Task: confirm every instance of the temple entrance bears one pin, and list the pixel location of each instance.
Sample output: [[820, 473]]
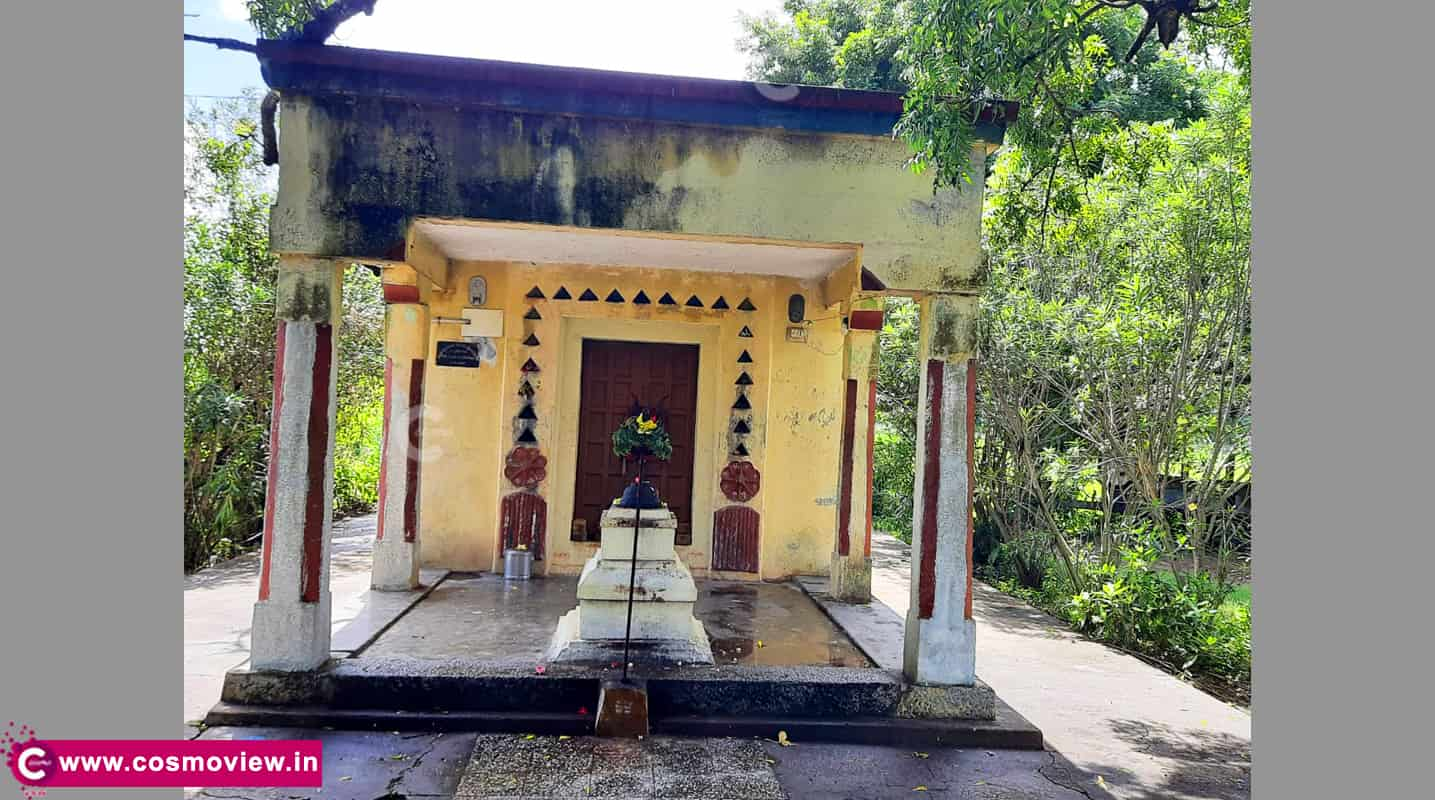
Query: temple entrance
[[614, 375]]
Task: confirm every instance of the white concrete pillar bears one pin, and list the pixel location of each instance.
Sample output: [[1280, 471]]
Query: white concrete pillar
[[291, 618], [396, 550], [941, 635], [851, 576]]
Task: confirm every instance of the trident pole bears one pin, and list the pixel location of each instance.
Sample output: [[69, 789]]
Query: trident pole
[[633, 566]]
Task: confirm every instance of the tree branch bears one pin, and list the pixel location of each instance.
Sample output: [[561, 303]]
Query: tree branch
[[221, 43], [328, 20]]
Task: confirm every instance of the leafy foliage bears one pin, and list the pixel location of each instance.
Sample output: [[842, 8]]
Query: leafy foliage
[[1113, 420], [229, 277], [1062, 60]]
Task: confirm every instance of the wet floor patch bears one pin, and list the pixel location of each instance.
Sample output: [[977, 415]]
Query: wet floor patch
[[485, 617]]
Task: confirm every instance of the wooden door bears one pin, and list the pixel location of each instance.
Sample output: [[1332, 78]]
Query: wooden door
[[616, 373]]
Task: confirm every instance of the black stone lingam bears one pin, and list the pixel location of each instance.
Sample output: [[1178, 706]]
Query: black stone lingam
[[640, 493]]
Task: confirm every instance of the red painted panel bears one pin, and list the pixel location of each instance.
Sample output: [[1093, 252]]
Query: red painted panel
[[384, 447], [735, 538], [315, 500], [844, 496], [971, 470], [523, 519], [416, 436], [272, 480], [865, 320], [871, 437], [400, 293], [931, 484]]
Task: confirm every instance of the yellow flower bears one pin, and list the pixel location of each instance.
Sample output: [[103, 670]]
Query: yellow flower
[[646, 425]]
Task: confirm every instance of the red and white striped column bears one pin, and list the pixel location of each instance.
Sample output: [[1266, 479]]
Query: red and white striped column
[[396, 551], [850, 579], [941, 635], [292, 616]]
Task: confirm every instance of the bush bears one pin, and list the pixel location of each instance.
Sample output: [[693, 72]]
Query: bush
[[1185, 621], [893, 457]]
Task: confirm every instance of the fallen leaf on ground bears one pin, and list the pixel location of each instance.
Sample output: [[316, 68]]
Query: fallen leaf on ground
[[919, 788], [782, 739], [921, 755], [1100, 781], [346, 777], [561, 738]]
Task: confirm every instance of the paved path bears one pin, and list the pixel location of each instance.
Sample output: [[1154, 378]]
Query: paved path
[[219, 607], [1145, 732]]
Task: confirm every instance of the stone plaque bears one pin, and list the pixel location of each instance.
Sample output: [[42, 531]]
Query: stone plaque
[[458, 354]]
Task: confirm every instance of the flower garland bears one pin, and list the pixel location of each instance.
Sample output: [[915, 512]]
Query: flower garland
[[642, 435]]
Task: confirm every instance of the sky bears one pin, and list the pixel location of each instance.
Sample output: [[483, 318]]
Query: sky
[[695, 38]]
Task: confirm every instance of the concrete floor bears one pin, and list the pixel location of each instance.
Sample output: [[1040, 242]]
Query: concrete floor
[[465, 766], [219, 607], [485, 617], [1114, 725]]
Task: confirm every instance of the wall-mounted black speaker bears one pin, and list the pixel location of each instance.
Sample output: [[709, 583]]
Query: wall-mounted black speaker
[[796, 308]]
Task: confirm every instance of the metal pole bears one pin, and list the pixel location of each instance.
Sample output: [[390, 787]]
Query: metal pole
[[633, 568]]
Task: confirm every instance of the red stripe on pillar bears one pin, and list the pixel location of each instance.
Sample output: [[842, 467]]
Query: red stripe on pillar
[[871, 434], [931, 484], [272, 479], [384, 448], [400, 293], [315, 499], [971, 470], [865, 320], [844, 499], [416, 435]]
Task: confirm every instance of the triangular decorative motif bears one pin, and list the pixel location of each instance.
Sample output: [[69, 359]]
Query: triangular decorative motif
[[531, 341], [562, 294], [694, 302], [745, 333], [527, 437], [744, 358], [720, 304], [587, 296], [535, 294], [641, 299], [741, 427], [667, 300], [746, 305], [528, 412], [614, 297], [525, 389], [744, 379], [530, 366], [742, 403], [532, 313], [740, 450]]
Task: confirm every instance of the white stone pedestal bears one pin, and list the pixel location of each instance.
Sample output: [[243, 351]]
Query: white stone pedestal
[[664, 628]]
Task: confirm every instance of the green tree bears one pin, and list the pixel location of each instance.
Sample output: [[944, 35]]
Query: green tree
[[1075, 66], [229, 325]]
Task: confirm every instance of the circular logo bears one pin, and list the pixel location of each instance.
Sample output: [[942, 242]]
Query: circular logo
[[33, 763]]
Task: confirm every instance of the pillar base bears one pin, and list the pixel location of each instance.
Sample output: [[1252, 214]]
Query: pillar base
[[948, 702], [850, 580], [396, 566], [940, 652], [289, 636]]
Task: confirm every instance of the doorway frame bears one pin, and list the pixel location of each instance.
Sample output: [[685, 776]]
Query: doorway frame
[[706, 450]]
